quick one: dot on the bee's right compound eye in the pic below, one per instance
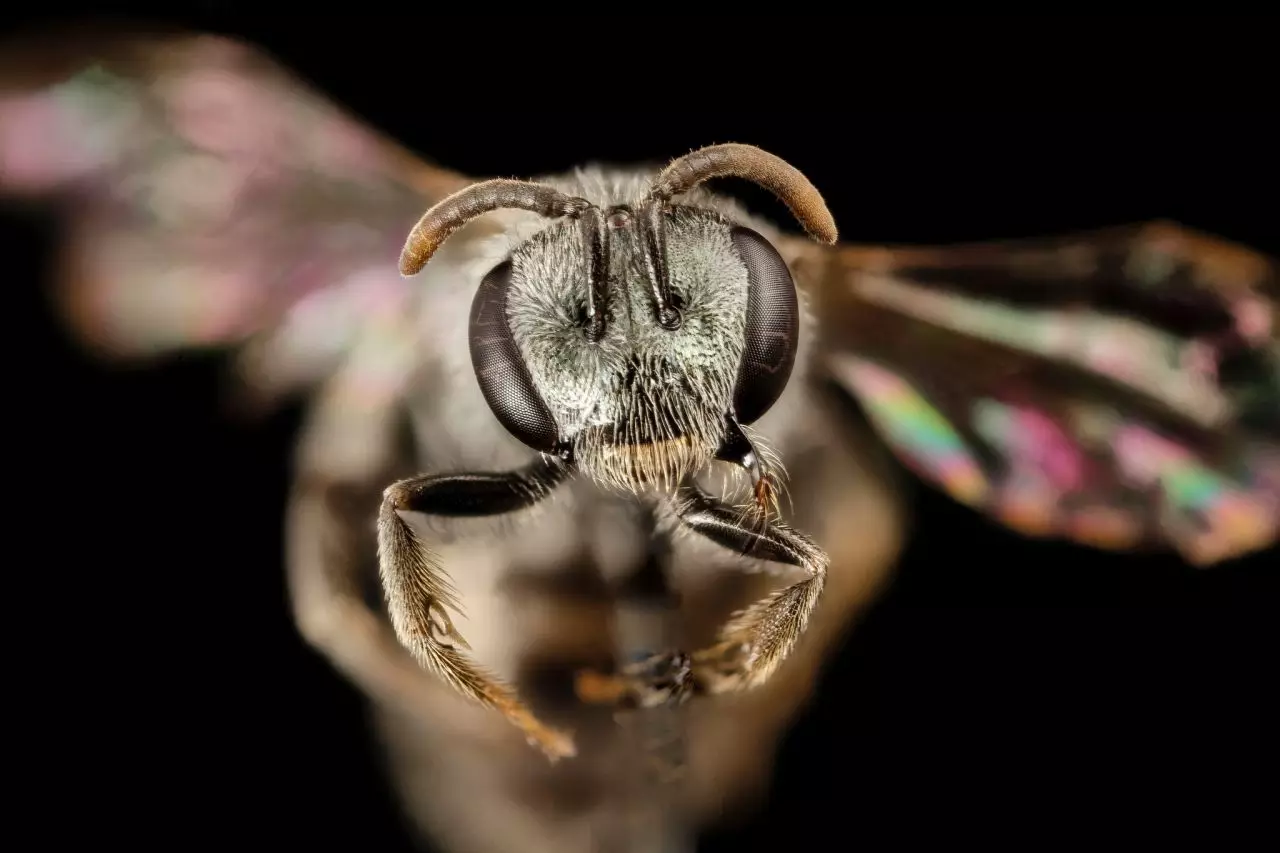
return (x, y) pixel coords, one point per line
(500, 369)
(773, 327)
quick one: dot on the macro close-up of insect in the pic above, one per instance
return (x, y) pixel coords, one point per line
(596, 468)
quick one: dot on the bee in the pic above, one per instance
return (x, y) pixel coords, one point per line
(607, 413)
(634, 342)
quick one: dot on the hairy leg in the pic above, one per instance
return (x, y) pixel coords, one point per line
(331, 562)
(756, 640)
(346, 454)
(420, 595)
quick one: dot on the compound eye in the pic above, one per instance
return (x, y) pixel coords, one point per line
(500, 369)
(773, 327)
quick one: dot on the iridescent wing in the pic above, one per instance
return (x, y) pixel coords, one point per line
(212, 200)
(1119, 388)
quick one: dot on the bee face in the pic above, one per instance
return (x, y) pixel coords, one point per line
(652, 391)
(634, 352)
(642, 401)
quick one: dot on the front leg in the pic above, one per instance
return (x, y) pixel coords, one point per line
(755, 640)
(420, 594)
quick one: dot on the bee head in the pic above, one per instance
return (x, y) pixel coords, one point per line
(627, 338)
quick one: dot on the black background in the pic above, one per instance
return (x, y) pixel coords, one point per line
(999, 684)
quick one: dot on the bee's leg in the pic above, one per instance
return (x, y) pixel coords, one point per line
(756, 640)
(420, 595)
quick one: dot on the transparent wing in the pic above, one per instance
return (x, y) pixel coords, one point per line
(209, 199)
(1120, 388)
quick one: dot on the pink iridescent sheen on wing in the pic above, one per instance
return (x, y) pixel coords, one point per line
(213, 201)
(67, 132)
(38, 144)
(1120, 388)
(1211, 516)
(1042, 465)
(1034, 443)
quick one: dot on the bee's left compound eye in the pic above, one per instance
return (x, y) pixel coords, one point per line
(500, 369)
(773, 327)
